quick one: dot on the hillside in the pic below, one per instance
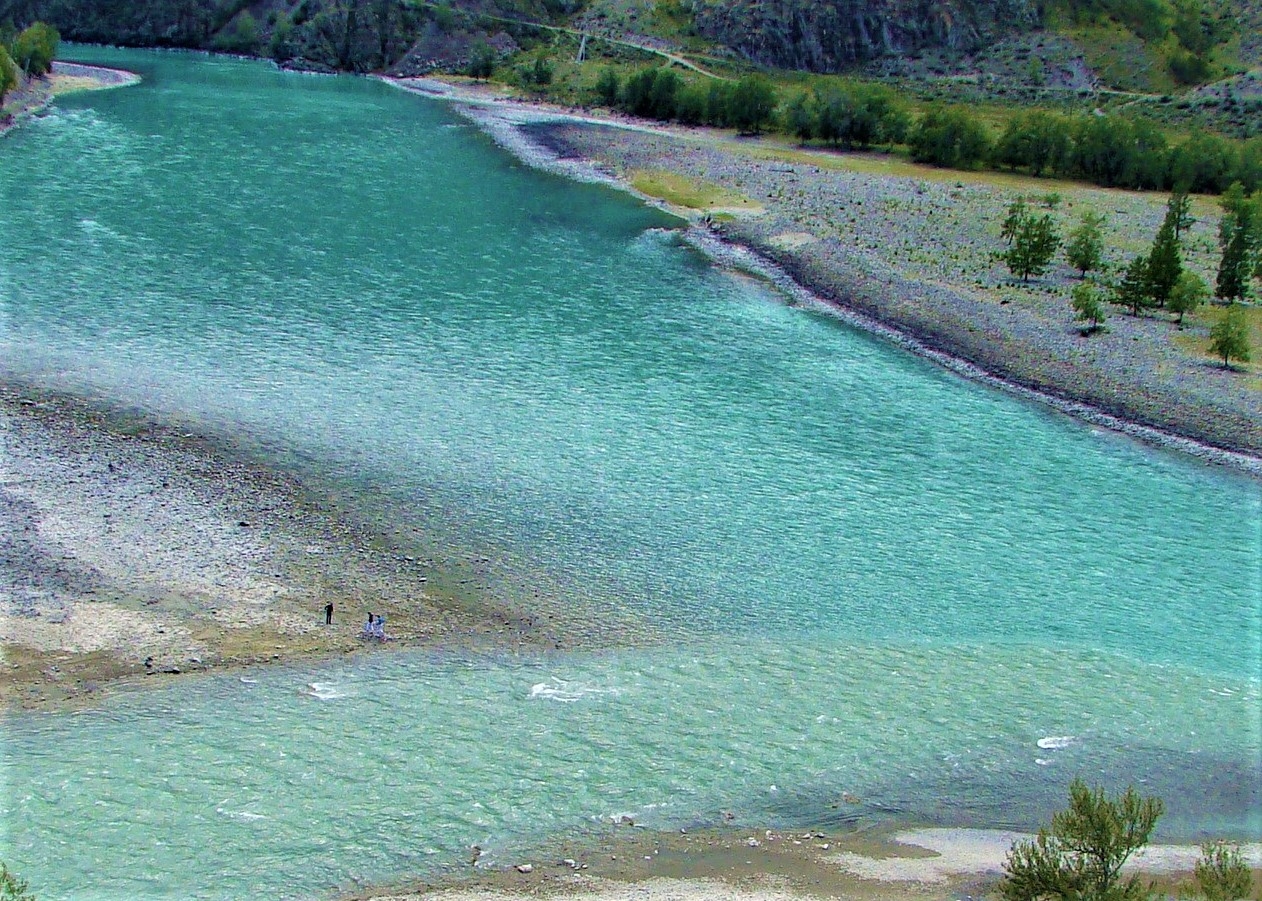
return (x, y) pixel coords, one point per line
(1190, 64)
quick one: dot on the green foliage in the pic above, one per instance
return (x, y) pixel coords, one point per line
(12, 888)
(1229, 338)
(1087, 307)
(481, 61)
(752, 105)
(8, 73)
(1240, 237)
(1165, 264)
(1085, 250)
(1034, 244)
(1221, 873)
(1132, 290)
(1080, 857)
(1037, 141)
(35, 48)
(241, 37)
(1179, 212)
(608, 87)
(1018, 212)
(950, 138)
(1189, 292)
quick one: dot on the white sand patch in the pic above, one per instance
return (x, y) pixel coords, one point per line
(90, 627)
(973, 852)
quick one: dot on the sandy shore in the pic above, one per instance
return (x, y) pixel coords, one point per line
(772, 865)
(65, 78)
(908, 252)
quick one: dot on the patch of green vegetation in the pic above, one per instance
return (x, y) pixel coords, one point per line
(690, 193)
(1195, 339)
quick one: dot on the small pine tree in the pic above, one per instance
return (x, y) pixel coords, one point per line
(1189, 292)
(1086, 304)
(1165, 264)
(1033, 247)
(1221, 873)
(1082, 854)
(1229, 338)
(1179, 213)
(1085, 249)
(1132, 290)
(1240, 237)
(1017, 214)
(482, 61)
(8, 74)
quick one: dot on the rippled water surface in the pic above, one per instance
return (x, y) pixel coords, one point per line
(881, 579)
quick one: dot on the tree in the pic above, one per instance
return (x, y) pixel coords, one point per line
(1017, 213)
(752, 104)
(34, 49)
(1165, 264)
(1222, 874)
(1189, 292)
(1132, 290)
(1179, 212)
(1229, 338)
(12, 888)
(608, 86)
(482, 61)
(950, 138)
(1087, 306)
(1033, 246)
(800, 118)
(1240, 237)
(1086, 245)
(8, 74)
(1080, 857)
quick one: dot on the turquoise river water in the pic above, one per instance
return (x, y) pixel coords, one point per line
(875, 577)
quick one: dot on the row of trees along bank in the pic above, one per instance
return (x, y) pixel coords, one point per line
(1112, 151)
(25, 54)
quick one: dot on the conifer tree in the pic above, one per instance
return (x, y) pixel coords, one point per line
(1229, 338)
(1132, 290)
(1189, 292)
(1165, 263)
(1240, 237)
(1087, 307)
(1034, 242)
(1179, 213)
(1086, 245)
(1081, 855)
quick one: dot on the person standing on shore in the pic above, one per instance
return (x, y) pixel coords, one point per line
(328, 613)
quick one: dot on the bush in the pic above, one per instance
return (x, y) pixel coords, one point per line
(12, 888)
(1081, 855)
(1222, 874)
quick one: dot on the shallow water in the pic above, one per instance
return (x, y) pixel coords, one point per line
(880, 579)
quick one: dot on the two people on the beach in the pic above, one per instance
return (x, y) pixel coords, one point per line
(375, 628)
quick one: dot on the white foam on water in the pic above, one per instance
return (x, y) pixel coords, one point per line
(240, 814)
(1056, 742)
(567, 693)
(325, 691)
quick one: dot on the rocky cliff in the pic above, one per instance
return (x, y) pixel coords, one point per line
(829, 35)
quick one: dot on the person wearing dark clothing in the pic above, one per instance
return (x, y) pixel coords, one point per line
(328, 613)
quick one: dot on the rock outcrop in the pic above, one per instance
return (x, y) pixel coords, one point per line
(829, 35)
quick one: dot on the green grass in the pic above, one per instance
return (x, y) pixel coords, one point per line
(1207, 318)
(692, 194)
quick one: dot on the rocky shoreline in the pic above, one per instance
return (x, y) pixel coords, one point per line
(134, 549)
(908, 253)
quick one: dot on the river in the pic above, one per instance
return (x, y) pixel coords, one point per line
(872, 576)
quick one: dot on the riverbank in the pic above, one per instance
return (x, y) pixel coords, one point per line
(35, 94)
(910, 252)
(731, 864)
(137, 551)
